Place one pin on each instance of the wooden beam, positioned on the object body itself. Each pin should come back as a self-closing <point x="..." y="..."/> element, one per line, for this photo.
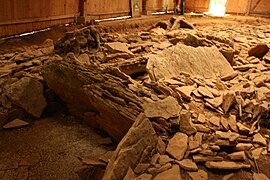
<point x="256" y="5"/>
<point x="32" y="20"/>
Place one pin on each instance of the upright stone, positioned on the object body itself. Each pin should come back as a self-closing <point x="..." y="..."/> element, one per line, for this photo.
<point x="141" y="136"/>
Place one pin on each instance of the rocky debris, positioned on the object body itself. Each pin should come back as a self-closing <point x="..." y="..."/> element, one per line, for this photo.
<point x="177" y="146"/>
<point x="180" y="22"/>
<point x="117" y="47"/>
<point x="225" y="105"/>
<point x="259" y="50"/>
<point x="135" y="146"/>
<point x="16" y="123"/>
<point x="28" y="94"/>
<point x="202" y="61"/>
<point x="79" y="40"/>
<point x="226" y="165"/>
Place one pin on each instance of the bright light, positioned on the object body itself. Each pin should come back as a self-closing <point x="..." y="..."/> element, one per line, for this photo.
<point x="217" y="7"/>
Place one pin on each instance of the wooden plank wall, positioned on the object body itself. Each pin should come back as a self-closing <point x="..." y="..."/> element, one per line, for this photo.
<point x="197" y="6"/>
<point x="19" y="16"/>
<point x="159" y="5"/>
<point x="102" y="9"/>
<point x="260" y="7"/>
<point x="236" y="6"/>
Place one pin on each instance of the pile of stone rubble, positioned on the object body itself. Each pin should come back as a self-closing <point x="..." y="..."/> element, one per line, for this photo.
<point x="197" y="97"/>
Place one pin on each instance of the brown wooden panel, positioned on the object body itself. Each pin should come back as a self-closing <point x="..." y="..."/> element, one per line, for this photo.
<point x="198" y="6"/>
<point x="20" y="16"/>
<point x="237" y="6"/>
<point x="260" y="6"/>
<point x="100" y="9"/>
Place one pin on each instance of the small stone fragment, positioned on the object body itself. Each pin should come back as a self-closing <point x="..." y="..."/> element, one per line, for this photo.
<point x="224" y="122"/>
<point x="258" y="138"/>
<point x="227" y="143"/>
<point x="228" y="100"/>
<point x="177" y="146"/>
<point x="202" y="128"/>
<point x="171" y="174"/>
<point x="185" y="91"/>
<point x="202" y="158"/>
<point x="201" y="118"/>
<point x="237" y="156"/>
<point x="242" y="128"/>
<point x="228" y="165"/>
<point x="256" y="153"/>
<point x="260" y="176"/>
<point x="16" y="123"/>
<point x="161" y="169"/>
<point x="232" y="123"/>
<point x="193" y="145"/>
<point x="231" y="136"/>
<point x="243" y="146"/>
<point x="200" y="175"/>
<point x="166" y="108"/>
<point x="186" y="126"/>
<point x="130" y="174"/>
<point x="161" y="146"/>
<point x="215" y="120"/>
<point x="205" y="92"/>
<point x="188" y="165"/>
<point x="164" y="159"/>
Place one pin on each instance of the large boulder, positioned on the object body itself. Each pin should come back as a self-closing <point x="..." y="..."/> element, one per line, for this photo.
<point x="27" y="93"/>
<point x="100" y="96"/>
<point x="140" y="139"/>
<point x="207" y="62"/>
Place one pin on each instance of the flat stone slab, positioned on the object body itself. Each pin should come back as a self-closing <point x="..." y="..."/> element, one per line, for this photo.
<point x="16" y="123"/>
<point x="177" y="146"/>
<point x="204" y="61"/>
<point x="165" y="108"/>
<point x="188" y="165"/>
<point x="226" y="165"/>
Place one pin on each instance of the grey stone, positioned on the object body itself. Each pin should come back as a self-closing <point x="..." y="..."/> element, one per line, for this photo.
<point x="27" y="93"/>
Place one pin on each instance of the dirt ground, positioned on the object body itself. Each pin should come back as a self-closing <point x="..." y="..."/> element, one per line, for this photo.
<point x="54" y="144"/>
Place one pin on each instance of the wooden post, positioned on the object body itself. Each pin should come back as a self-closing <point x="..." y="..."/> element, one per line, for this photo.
<point x="81" y="18"/>
<point x="248" y="7"/>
